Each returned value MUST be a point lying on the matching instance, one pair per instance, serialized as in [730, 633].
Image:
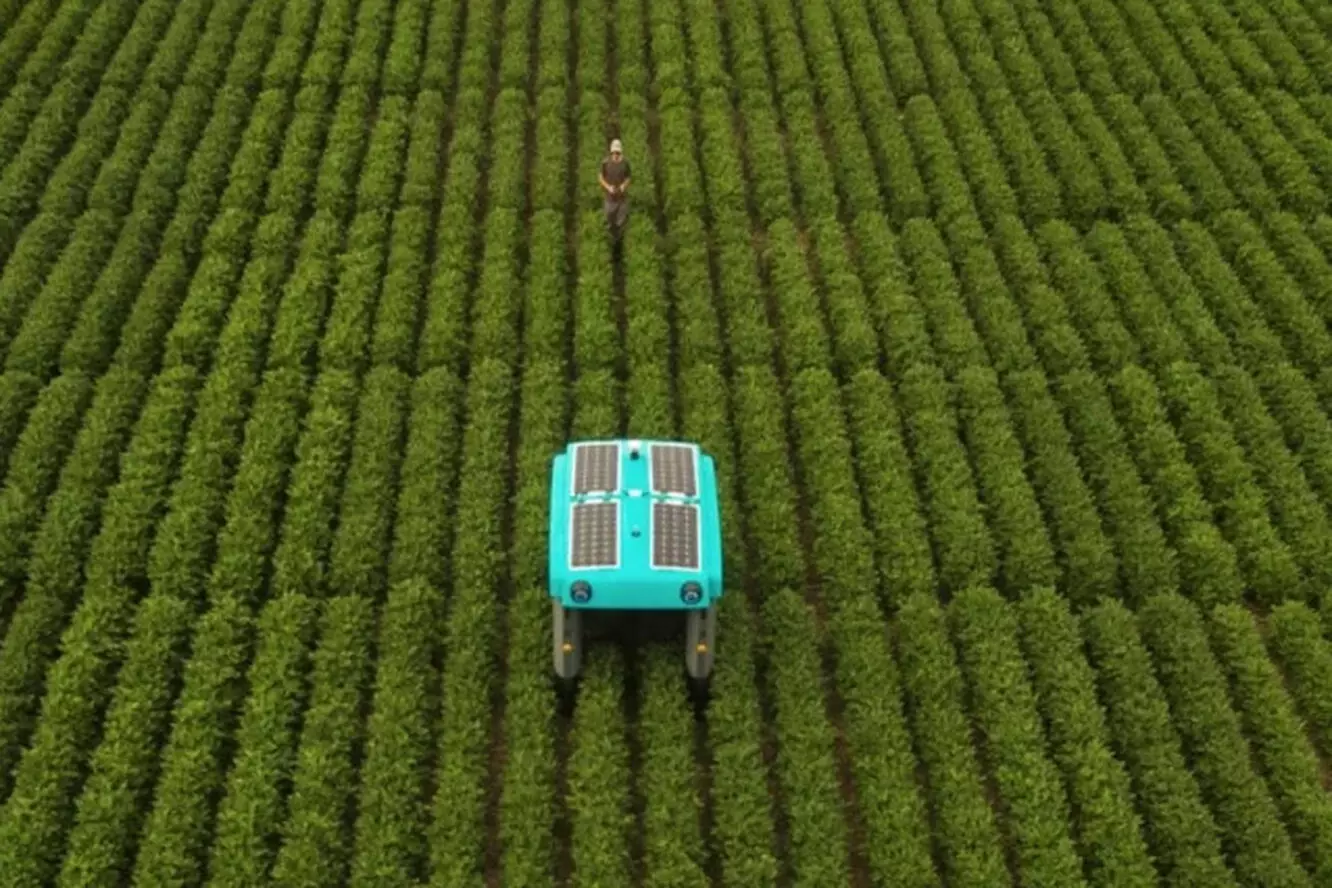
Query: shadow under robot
[634, 526]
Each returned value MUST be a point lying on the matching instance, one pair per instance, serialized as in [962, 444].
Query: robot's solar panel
[673, 469]
[594, 537]
[596, 467]
[675, 535]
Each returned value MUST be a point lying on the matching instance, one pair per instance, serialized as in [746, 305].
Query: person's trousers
[617, 213]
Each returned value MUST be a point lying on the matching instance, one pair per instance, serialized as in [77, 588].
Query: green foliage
[391, 805]
[252, 806]
[316, 835]
[1106, 826]
[1257, 844]
[1024, 305]
[1181, 831]
[964, 825]
[1288, 761]
[806, 765]
[1034, 805]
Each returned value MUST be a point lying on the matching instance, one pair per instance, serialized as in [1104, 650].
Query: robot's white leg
[568, 637]
[700, 641]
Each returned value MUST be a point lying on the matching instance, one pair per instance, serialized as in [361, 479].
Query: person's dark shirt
[615, 172]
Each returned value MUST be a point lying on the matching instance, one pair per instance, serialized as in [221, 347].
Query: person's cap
[616, 147]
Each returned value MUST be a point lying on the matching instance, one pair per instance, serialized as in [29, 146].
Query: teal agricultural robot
[634, 526]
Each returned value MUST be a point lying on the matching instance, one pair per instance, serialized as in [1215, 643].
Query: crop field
[1008, 323]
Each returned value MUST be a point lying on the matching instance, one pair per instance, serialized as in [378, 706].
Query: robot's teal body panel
[634, 525]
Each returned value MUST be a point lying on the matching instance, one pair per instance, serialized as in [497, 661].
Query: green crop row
[842, 547]
[19, 392]
[806, 764]
[1147, 563]
[70, 79]
[246, 538]
[22, 32]
[471, 632]
[390, 830]
[855, 339]
[1209, 565]
[399, 307]
[879, 749]
[315, 487]
[767, 486]
[1180, 830]
[938, 298]
[348, 332]
[1288, 762]
[1107, 828]
[33, 473]
[1271, 568]
[1297, 644]
[1026, 556]
[964, 545]
[316, 836]
[358, 557]
[306, 294]
[426, 489]
[598, 776]
[53, 708]
[54, 570]
[111, 807]
[25, 178]
[695, 325]
[527, 802]
[674, 855]
[252, 804]
[1033, 802]
[1219, 754]
[527, 798]
[800, 323]
[965, 827]
[893, 504]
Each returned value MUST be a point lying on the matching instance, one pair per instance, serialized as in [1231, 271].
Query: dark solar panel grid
[596, 468]
[675, 535]
[673, 469]
[595, 535]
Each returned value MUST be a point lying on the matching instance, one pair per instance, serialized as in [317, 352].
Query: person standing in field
[615, 187]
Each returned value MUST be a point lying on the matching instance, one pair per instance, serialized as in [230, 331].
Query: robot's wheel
[568, 640]
[700, 642]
